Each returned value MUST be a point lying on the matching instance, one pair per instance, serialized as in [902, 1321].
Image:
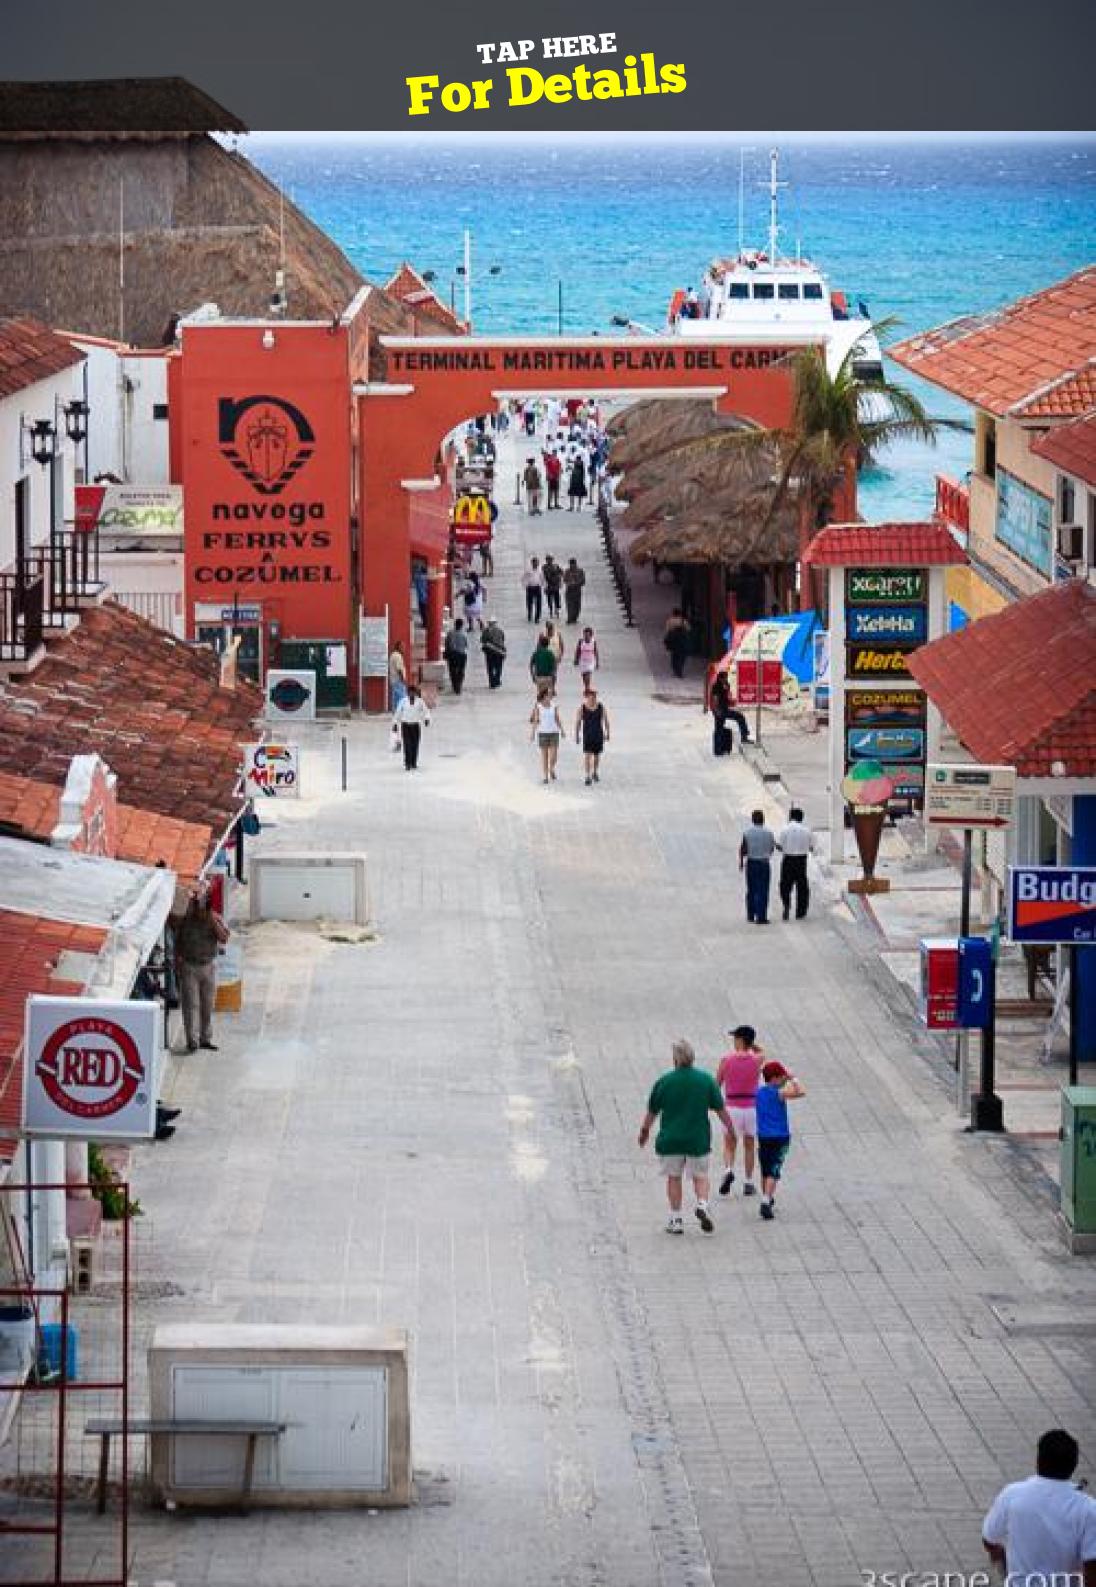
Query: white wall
[124, 438]
[42, 400]
[150, 583]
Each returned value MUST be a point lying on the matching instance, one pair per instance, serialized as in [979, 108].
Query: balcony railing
[953, 504]
[54, 582]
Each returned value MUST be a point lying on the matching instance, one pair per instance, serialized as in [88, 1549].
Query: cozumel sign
[90, 1068]
[1052, 903]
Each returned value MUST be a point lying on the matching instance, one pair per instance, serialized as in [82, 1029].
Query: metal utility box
[310, 886]
[1078, 1171]
[939, 990]
[339, 1393]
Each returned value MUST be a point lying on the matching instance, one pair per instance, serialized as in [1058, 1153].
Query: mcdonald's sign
[471, 520]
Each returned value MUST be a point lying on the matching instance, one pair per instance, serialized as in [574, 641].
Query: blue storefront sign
[886, 743]
[888, 624]
[1052, 903]
[975, 1000]
[1023, 522]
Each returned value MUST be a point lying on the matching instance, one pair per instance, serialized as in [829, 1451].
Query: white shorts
[743, 1121]
[674, 1167]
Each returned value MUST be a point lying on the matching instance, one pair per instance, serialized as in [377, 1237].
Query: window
[1066, 501]
[763, 289]
[159, 410]
[989, 450]
[812, 290]
[789, 289]
[738, 290]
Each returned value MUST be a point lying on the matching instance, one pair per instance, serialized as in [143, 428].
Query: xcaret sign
[89, 1068]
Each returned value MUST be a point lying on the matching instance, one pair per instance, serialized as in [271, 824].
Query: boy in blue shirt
[774, 1135]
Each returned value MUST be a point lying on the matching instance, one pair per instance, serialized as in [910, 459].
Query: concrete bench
[139, 1428]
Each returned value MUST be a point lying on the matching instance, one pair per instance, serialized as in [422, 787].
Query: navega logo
[266, 439]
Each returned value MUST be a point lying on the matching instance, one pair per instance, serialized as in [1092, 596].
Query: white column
[837, 713]
[937, 619]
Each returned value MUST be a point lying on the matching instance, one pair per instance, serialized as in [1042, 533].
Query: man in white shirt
[1044, 1529]
[794, 842]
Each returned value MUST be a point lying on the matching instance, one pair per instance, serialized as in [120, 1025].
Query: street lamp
[43, 438]
[76, 420]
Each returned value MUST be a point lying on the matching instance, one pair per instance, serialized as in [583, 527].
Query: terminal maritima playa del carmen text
[547, 799]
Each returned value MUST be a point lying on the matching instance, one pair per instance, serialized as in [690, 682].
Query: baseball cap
[774, 1070]
[745, 1032]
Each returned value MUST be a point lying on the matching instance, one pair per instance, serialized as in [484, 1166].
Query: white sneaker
[674, 1224]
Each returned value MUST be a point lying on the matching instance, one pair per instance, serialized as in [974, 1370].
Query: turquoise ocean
[924, 232]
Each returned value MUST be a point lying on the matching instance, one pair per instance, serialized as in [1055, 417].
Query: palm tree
[839, 423]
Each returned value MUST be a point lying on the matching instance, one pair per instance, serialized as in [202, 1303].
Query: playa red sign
[89, 1068]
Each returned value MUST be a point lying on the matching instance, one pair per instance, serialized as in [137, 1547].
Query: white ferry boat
[758, 292]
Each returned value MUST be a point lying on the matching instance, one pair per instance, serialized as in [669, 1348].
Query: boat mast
[741, 201]
[774, 185]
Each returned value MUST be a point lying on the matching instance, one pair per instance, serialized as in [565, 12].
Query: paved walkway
[437, 1130]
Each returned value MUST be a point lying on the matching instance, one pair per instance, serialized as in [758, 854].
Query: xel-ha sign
[887, 624]
[1052, 903]
[90, 1068]
[272, 770]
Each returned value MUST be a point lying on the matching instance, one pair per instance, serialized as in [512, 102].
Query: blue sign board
[975, 1003]
[1052, 903]
[885, 625]
[886, 743]
[1023, 522]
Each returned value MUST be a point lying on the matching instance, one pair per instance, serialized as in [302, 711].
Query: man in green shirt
[681, 1100]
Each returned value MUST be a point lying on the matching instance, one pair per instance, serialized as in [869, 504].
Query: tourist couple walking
[749, 1094]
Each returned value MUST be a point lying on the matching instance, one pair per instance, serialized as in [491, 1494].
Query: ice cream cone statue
[867, 788]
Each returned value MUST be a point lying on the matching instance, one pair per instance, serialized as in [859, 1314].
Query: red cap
[774, 1070]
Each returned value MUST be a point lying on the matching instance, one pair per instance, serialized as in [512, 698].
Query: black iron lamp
[76, 420]
[43, 435]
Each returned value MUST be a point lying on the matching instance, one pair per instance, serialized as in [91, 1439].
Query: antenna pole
[773, 226]
[468, 277]
[741, 201]
[122, 259]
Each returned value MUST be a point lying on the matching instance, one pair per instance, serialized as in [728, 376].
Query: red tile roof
[1002, 360]
[1072, 448]
[1068, 398]
[884, 545]
[408, 286]
[30, 809]
[151, 706]
[30, 947]
[1019, 688]
[30, 351]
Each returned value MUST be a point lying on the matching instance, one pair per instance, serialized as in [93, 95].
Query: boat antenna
[774, 187]
[742, 153]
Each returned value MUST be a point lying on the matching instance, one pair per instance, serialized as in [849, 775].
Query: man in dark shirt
[198, 936]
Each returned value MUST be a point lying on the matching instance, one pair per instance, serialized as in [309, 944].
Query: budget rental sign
[1052, 903]
[90, 1068]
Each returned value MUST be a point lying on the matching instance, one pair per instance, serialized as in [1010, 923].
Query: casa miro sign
[90, 1068]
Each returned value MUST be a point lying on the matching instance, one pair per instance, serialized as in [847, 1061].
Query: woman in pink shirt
[737, 1076]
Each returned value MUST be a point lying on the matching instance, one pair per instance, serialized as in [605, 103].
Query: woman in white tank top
[546, 727]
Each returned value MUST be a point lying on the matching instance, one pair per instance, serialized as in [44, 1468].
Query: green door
[327, 658]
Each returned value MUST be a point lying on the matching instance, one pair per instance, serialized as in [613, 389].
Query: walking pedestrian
[555, 643]
[553, 471]
[198, 936]
[573, 580]
[1043, 1529]
[411, 718]
[487, 559]
[592, 732]
[794, 841]
[587, 657]
[675, 637]
[546, 727]
[681, 1100]
[553, 583]
[543, 663]
[576, 486]
[755, 854]
[421, 585]
[530, 418]
[774, 1135]
[534, 590]
[493, 645]
[455, 655]
[738, 1075]
[397, 676]
[534, 486]
[473, 595]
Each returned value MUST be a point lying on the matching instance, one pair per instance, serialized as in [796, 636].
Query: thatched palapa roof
[131, 106]
[698, 504]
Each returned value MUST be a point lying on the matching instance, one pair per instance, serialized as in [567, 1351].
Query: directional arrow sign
[969, 796]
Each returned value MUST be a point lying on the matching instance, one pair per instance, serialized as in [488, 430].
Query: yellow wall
[1013, 454]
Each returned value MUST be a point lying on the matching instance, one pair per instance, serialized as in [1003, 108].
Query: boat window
[812, 289]
[738, 289]
[763, 289]
[789, 289]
